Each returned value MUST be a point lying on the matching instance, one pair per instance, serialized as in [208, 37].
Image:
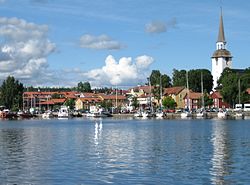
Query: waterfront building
[46, 100]
[84, 103]
[222, 57]
[218, 101]
[177, 94]
[194, 100]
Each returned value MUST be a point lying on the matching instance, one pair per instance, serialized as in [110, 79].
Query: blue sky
[115, 42]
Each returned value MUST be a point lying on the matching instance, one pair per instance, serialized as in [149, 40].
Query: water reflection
[222, 154]
[98, 131]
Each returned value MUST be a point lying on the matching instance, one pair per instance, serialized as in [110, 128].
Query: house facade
[178, 94]
[218, 100]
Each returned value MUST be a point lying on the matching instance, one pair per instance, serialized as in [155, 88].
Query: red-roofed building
[218, 100]
[44, 100]
[116, 100]
[194, 100]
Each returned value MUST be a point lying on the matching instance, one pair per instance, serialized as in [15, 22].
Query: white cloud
[159, 26]
[142, 62]
[124, 72]
[24, 51]
[99, 42]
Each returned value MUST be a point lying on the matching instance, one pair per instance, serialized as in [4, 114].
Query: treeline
[232, 85]
[180, 79]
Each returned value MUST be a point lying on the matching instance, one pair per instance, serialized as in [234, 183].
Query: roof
[173, 90]
[222, 53]
[194, 95]
[53, 101]
[145, 89]
[61, 100]
[221, 35]
[49, 102]
[90, 99]
[216, 94]
[113, 97]
[87, 94]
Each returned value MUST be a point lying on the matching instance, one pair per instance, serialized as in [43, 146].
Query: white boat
[47, 115]
[222, 114]
[239, 115]
[201, 114]
[147, 114]
[63, 113]
[159, 114]
[138, 114]
[186, 114]
[97, 112]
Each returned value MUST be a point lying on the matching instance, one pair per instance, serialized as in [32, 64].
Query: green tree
[157, 79]
[70, 103]
[168, 102]
[135, 102]
[179, 78]
[107, 104]
[229, 86]
[11, 93]
[229, 90]
[158, 82]
[207, 100]
[194, 79]
[84, 87]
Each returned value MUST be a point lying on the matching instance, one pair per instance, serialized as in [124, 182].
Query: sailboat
[159, 113]
[187, 112]
[239, 113]
[202, 113]
[149, 113]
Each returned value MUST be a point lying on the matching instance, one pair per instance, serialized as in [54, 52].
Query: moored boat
[47, 115]
[186, 114]
[222, 114]
[63, 113]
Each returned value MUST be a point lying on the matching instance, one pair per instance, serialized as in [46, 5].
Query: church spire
[221, 35]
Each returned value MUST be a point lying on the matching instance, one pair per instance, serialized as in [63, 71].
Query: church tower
[221, 57]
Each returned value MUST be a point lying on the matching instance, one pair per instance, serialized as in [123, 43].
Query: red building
[218, 100]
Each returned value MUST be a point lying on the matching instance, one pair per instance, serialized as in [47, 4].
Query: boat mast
[150, 103]
[188, 106]
[239, 89]
[202, 92]
[160, 91]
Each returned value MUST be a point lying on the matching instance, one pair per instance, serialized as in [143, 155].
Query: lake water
[125, 151]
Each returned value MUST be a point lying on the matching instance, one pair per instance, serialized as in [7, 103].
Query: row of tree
[179, 79]
[233, 86]
[11, 89]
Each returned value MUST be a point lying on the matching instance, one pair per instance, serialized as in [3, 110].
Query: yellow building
[178, 94]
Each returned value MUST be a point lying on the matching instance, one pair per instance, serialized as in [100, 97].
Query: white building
[221, 57]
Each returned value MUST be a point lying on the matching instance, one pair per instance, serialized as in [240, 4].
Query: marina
[124, 151]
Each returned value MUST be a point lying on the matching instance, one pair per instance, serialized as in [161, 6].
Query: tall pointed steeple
[221, 35]
[221, 58]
